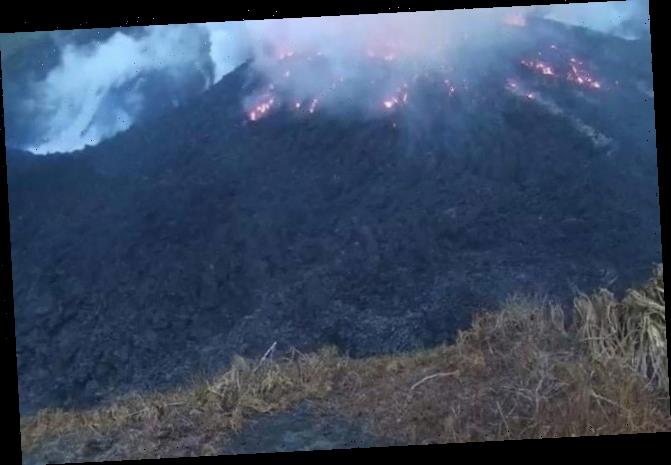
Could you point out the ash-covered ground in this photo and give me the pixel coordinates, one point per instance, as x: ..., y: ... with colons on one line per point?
x: 248, y: 216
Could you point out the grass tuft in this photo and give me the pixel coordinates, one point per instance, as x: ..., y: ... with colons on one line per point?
x: 631, y: 332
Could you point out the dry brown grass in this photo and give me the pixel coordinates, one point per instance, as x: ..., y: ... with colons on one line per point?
x: 517, y: 373
x: 632, y: 331
x: 194, y: 420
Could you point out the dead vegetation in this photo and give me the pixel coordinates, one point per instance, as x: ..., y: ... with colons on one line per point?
x: 517, y: 373
x: 521, y: 373
x: 191, y: 421
x: 632, y: 331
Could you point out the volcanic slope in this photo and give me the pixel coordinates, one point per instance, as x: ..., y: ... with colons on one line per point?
x: 157, y: 254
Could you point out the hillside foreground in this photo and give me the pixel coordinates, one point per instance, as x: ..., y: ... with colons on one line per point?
x: 522, y: 372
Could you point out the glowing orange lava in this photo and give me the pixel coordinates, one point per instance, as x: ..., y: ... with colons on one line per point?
x: 580, y: 76
x: 539, y: 66
x: 261, y: 109
x: 400, y: 98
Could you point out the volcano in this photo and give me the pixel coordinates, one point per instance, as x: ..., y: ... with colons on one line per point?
x: 246, y: 217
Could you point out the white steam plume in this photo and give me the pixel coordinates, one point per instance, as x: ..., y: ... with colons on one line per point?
x: 412, y: 43
x: 98, y: 90
x: 95, y: 90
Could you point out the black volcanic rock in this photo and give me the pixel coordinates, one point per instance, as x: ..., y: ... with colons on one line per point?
x: 162, y: 251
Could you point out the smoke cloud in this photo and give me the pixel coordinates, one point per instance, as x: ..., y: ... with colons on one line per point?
x: 103, y: 87
x: 337, y: 71
x: 321, y: 61
x: 98, y: 89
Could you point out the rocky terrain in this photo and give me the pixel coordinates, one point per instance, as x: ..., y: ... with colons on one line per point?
x: 159, y: 253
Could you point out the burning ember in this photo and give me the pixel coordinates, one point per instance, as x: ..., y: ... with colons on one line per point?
x: 580, y: 76
x: 517, y: 89
x: 575, y: 73
x: 400, y: 98
x: 261, y: 109
x: 390, y: 103
x: 450, y: 87
x: 516, y: 20
x: 284, y: 55
x: 383, y: 52
x: 539, y: 66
